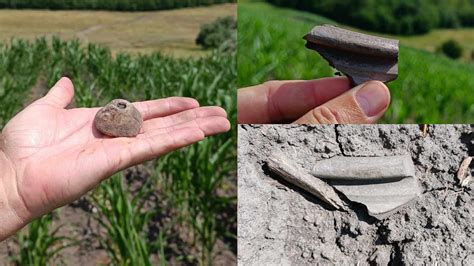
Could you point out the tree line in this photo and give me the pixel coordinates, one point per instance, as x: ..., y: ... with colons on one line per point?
x: 391, y: 16
x: 120, y: 5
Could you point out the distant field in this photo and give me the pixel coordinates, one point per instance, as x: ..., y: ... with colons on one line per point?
x: 172, y: 32
x: 435, y: 38
x: 432, y: 40
x: 430, y: 88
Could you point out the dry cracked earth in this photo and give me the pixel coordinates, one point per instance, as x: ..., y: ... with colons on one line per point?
x: 280, y: 224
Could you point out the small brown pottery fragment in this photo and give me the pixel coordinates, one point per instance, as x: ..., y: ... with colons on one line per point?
x: 119, y: 118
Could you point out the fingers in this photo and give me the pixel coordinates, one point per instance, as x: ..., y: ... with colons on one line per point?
x: 280, y: 101
x: 183, y: 117
x: 364, y: 104
x: 165, y: 107
x: 163, y: 141
x: 61, y: 94
x: 210, y: 125
x: 144, y: 149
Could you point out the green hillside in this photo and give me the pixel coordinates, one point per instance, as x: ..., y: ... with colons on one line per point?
x: 430, y: 88
x: 402, y: 17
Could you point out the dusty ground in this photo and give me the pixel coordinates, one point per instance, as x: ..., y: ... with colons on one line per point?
x: 280, y: 225
x: 171, y: 31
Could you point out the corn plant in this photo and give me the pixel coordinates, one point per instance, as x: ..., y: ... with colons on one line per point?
x: 20, y: 64
x: 125, y: 222
x: 192, y: 177
x: 39, y: 245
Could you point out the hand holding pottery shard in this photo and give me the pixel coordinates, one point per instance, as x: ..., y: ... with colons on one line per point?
x: 360, y: 56
x: 119, y: 118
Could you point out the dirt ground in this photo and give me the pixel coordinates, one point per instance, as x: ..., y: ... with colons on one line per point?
x: 280, y: 224
x: 171, y: 32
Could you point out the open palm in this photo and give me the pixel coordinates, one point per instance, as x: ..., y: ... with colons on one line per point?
x: 57, y: 155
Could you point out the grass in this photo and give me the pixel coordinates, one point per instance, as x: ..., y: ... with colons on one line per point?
x: 194, y: 181
x: 171, y: 32
x: 429, y: 89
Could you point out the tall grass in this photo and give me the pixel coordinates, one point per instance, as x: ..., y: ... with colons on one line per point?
x: 194, y: 181
x: 429, y: 89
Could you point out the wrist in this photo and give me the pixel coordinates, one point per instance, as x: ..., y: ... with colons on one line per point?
x: 10, y: 220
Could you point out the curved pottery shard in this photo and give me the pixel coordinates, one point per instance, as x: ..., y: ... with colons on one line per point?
x: 119, y: 118
x: 360, y: 56
x: 383, y: 184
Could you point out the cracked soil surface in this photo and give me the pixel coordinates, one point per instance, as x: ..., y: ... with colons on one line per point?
x: 279, y: 224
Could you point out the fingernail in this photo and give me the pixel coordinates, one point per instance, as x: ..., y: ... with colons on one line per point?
x: 373, y: 98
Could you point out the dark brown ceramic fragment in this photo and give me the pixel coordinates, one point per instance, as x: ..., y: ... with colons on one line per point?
x: 119, y: 118
x: 360, y: 56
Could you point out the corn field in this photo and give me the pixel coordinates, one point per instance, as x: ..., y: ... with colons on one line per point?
x: 194, y: 188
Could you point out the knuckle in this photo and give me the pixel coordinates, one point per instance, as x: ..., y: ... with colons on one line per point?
x: 270, y: 83
x: 325, y: 115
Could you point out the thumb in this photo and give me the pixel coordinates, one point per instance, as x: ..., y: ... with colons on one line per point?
x: 61, y: 94
x: 364, y: 104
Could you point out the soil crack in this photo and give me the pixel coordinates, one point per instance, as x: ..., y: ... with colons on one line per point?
x: 338, y: 139
x: 453, y: 189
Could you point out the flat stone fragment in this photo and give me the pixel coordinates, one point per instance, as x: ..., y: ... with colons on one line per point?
x: 119, y: 118
x: 382, y: 184
x: 290, y: 172
x: 360, y: 56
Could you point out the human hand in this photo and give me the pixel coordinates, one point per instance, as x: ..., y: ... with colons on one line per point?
x: 322, y: 101
x: 50, y: 156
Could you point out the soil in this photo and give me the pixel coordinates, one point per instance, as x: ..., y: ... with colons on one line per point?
x: 280, y: 224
